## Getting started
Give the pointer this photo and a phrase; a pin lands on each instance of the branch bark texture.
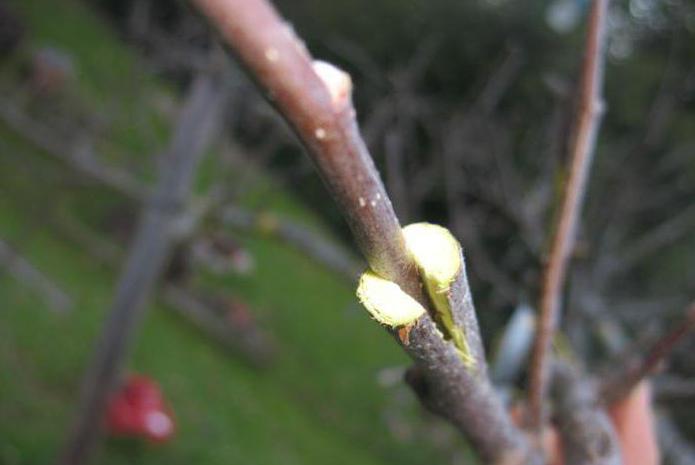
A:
(582, 144)
(296, 235)
(316, 102)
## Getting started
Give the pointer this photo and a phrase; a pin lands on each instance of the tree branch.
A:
(315, 99)
(255, 346)
(77, 156)
(582, 146)
(300, 237)
(620, 382)
(196, 126)
(22, 270)
(662, 235)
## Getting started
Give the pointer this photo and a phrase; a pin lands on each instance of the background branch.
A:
(621, 381)
(300, 237)
(21, 269)
(79, 156)
(195, 129)
(582, 145)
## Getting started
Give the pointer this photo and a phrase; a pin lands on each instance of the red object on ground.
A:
(138, 410)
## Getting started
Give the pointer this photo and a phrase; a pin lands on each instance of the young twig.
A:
(582, 145)
(315, 99)
(621, 381)
(298, 236)
(79, 158)
(666, 233)
(257, 348)
(252, 344)
(26, 273)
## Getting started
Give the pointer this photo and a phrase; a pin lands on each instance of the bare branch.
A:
(581, 148)
(315, 99)
(254, 344)
(620, 382)
(673, 388)
(151, 246)
(22, 270)
(661, 236)
(78, 156)
(300, 237)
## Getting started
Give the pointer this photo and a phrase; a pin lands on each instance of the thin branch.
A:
(253, 344)
(300, 237)
(315, 99)
(86, 162)
(153, 241)
(79, 157)
(661, 236)
(256, 346)
(582, 146)
(673, 388)
(675, 448)
(621, 381)
(26, 273)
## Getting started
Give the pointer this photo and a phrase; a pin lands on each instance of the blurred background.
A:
(253, 338)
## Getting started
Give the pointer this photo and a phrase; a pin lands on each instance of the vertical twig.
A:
(153, 240)
(582, 146)
(300, 237)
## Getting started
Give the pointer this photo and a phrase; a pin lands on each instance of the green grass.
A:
(319, 402)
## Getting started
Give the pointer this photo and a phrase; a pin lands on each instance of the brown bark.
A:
(582, 145)
(322, 115)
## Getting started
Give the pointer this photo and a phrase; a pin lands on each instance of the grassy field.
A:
(320, 401)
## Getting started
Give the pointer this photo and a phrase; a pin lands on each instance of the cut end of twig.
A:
(387, 302)
(337, 81)
(436, 252)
